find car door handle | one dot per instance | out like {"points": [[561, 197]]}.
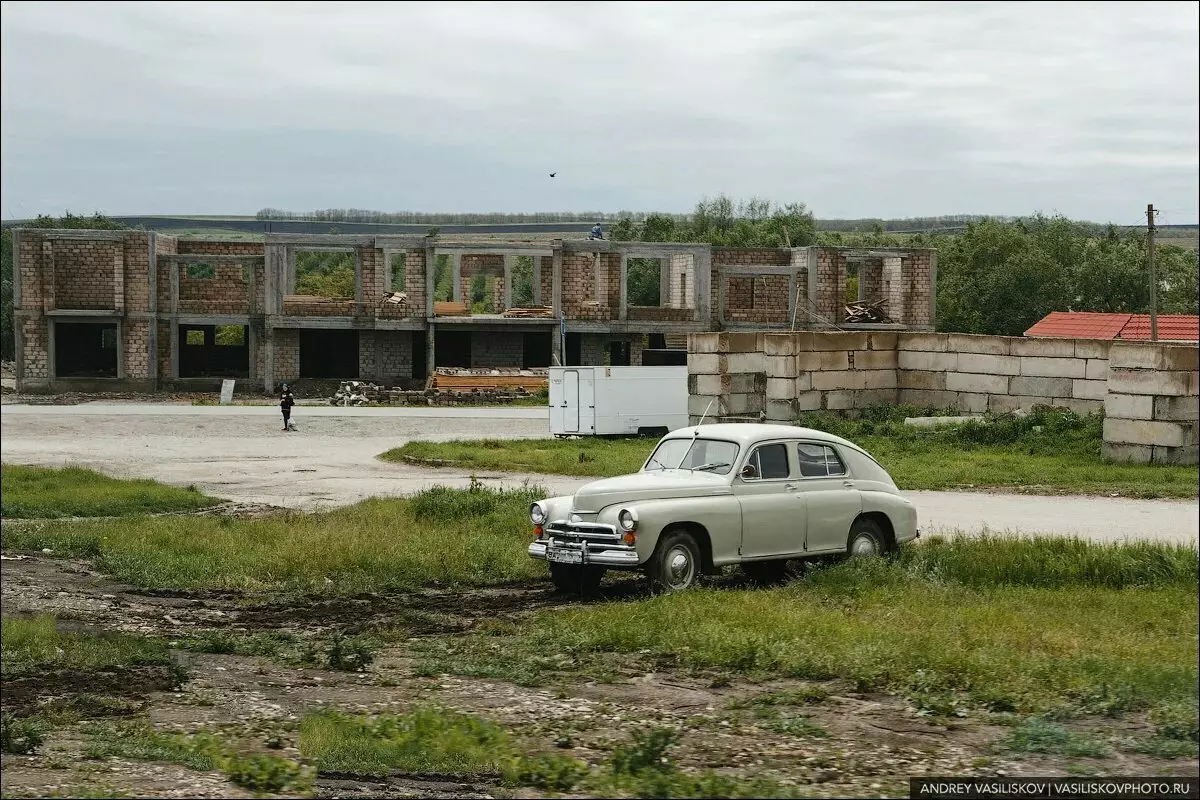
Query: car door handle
{"points": [[848, 484], [789, 487]]}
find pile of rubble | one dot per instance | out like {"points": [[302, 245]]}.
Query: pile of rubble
{"points": [[872, 312], [357, 393]]}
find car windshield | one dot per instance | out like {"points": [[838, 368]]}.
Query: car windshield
{"points": [[708, 455]]}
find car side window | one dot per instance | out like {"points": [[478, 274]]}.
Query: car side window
{"points": [[819, 461], [769, 461]]}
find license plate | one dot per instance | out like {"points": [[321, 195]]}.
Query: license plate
{"points": [[564, 556]]}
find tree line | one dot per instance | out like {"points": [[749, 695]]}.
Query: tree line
{"points": [[995, 276]]}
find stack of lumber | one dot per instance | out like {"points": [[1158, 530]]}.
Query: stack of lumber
{"points": [[863, 311], [529, 312], [450, 309], [470, 380], [395, 298], [313, 299]]}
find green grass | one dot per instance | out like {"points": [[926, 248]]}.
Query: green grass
{"points": [[1047, 452], [1083, 628], [73, 492], [454, 537], [202, 752], [1042, 736], [30, 645], [430, 740]]}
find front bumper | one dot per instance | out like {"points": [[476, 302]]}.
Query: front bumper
{"points": [[583, 543]]}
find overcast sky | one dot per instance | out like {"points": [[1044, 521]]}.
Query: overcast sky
{"points": [[856, 109]]}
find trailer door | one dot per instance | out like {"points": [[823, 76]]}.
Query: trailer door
{"points": [[570, 404]]}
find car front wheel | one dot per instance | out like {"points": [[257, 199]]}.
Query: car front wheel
{"points": [[676, 563], [866, 539], [576, 580]]}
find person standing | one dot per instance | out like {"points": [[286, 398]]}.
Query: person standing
{"points": [[286, 401]]}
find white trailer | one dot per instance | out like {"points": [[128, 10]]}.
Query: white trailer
{"points": [[617, 401]]}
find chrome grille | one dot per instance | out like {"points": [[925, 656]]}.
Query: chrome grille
{"points": [[577, 532]]}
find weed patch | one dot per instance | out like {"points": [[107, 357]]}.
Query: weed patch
{"points": [[30, 645], [1042, 736], [73, 492]]}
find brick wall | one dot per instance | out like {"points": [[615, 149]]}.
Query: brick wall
{"points": [[166, 245], [164, 350], [917, 273], [751, 256], [286, 354], [35, 346], [395, 350], [593, 348], [546, 279], [84, 273], [219, 247], [578, 283], [497, 349], [136, 336], [227, 292]]}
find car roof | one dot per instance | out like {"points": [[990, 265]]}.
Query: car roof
{"points": [[749, 432]]}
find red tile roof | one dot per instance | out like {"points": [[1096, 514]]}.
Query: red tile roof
{"points": [[1091, 325], [1171, 328]]}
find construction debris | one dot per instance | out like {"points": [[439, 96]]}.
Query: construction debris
{"points": [[529, 312], [356, 393], [862, 311], [395, 298]]}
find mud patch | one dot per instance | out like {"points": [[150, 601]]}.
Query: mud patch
{"points": [[23, 695]]}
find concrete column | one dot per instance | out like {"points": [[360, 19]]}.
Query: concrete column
{"points": [[268, 357], [358, 276], [175, 349], [120, 349], [933, 290], [152, 306], [813, 271], [456, 265], [252, 348], [430, 278], [556, 269], [556, 347], [791, 307], [624, 298], [665, 265], [722, 281], [430, 350], [508, 280]]}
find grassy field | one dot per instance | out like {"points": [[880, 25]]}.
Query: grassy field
{"points": [[1025, 626], [40, 492], [30, 645], [455, 537], [1045, 453]]}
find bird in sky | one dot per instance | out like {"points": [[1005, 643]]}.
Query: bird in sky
{"points": [[552, 174]]}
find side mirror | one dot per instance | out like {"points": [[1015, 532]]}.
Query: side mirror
{"points": [[749, 472]]}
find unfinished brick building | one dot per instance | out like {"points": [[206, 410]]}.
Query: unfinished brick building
{"points": [[141, 310]]}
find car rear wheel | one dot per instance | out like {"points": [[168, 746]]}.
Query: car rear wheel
{"points": [[676, 563], [866, 539], [576, 580]]}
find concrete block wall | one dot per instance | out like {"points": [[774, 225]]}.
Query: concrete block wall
{"points": [[497, 349], [1150, 393], [395, 350], [1152, 404], [975, 374]]}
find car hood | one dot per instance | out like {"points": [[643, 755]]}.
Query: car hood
{"points": [[656, 485]]}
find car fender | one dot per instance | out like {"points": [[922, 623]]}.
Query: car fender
{"points": [[899, 510], [719, 515]]}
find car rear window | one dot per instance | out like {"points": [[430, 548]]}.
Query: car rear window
{"points": [[819, 461]]}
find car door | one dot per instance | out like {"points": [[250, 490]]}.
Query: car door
{"points": [[771, 523], [830, 498]]}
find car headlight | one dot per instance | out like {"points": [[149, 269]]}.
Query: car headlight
{"points": [[537, 514], [628, 519]]}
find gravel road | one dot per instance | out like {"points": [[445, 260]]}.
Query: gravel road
{"points": [[238, 452]]}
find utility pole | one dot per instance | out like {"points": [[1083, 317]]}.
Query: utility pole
{"points": [[1153, 279]]}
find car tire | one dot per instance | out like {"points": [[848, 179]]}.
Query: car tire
{"points": [[571, 579], [766, 573], [866, 539], [676, 563]]}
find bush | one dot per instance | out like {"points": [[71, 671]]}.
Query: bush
{"points": [[268, 774], [19, 736]]}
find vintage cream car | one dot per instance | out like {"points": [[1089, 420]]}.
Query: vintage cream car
{"points": [[710, 496]]}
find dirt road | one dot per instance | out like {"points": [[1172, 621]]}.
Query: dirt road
{"points": [[239, 452]]}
